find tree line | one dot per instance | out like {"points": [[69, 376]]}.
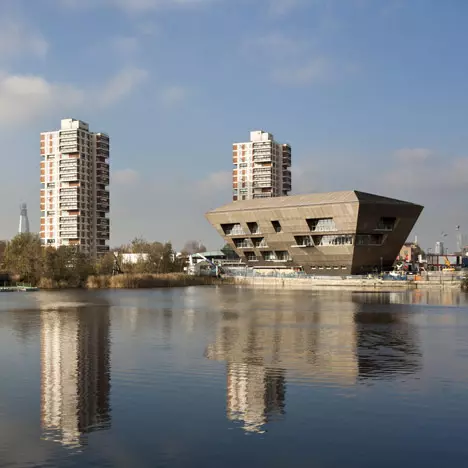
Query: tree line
{"points": [[27, 260]]}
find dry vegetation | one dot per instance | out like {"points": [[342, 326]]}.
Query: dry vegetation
{"points": [[141, 281]]}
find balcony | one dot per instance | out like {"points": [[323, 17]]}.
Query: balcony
{"points": [[233, 229], [260, 243], [386, 224], [321, 224], [262, 158], [264, 184], [243, 244]]}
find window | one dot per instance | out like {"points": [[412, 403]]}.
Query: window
{"points": [[276, 226], [259, 242], [343, 239], [253, 228], [386, 224], [234, 229], [321, 224], [250, 256], [269, 256], [369, 239], [243, 243], [283, 256], [304, 241]]}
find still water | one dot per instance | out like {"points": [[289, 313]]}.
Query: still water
{"points": [[229, 377]]}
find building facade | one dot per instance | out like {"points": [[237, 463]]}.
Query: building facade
{"points": [[74, 188], [337, 233], [410, 252], [261, 168]]}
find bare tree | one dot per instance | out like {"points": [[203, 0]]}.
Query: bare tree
{"points": [[192, 247]]}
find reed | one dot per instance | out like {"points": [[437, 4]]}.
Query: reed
{"points": [[147, 281]]}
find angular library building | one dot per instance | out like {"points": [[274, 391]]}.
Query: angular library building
{"points": [[336, 233]]}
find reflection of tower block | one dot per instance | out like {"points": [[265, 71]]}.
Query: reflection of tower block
{"points": [[75, 375], [254, 394]]}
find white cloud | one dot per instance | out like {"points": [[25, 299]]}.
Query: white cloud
{"points": [[423, 170], [215, 182], [125, 177], [135, 6], [126, 46], [173, 95], [121, 85], [294, 62], [282, 7], [25, 97], [19, 39], [275, 45], [413, 154]]}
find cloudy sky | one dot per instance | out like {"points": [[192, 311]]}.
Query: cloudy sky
{"points": [[371, 94]]}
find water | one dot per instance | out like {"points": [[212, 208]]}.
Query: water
{"points": [[226, 377]]}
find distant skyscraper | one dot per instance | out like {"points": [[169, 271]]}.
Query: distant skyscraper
{"points": [[439, 248], [261, 168], [74, 192], [24, 221]]}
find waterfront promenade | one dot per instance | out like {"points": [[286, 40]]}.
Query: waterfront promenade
{"points": [[350, 283]]}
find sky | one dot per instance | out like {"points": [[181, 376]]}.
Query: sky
{"points": [[372, 95]]}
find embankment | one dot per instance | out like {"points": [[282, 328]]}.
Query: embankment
{"points": [[343, 284]]}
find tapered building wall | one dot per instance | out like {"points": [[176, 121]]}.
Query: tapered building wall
{"points": [[331, 234]]}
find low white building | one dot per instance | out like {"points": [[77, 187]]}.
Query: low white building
{"points": [[133, 258]]}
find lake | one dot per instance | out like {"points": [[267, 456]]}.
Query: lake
{"points": [[227, 377]]}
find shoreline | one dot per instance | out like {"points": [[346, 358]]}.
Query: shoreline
{"points": [[344, 285]]}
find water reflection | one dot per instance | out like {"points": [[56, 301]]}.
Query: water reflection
{"points": [[75, 370], [335, 340], [255, 394]]}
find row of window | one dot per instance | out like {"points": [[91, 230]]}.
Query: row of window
{"points": [[269, 256], [341, 239], [328, 267], [257, 242], [314, 225]]}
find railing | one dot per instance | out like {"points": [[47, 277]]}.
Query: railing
{"points": [[261, 244], [245, 245], [237, 231]]}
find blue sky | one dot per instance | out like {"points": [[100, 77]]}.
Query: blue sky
{"points": [[371, 94]]}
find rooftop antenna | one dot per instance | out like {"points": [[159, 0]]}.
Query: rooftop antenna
{"points": [[24, 221]]}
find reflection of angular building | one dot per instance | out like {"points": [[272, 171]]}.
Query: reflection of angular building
{"points": [[330, 233], [262, 344], [75, 367], [335, 339]]}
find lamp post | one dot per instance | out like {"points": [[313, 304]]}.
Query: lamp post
{"points": [[381, 264]]}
